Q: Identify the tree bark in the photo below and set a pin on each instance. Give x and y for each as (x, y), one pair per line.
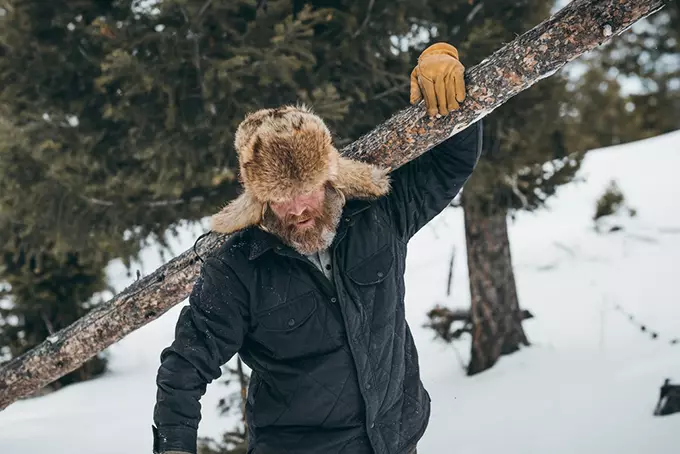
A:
(580, 26)
(496, 316)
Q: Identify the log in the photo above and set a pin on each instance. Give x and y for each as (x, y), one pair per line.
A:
(577, 28)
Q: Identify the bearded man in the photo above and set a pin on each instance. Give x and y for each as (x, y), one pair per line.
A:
(309, 287)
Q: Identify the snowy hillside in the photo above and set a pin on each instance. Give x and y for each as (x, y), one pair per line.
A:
(587, 385)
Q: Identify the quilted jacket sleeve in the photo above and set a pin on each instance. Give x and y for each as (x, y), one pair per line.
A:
(209, 332)
(422, 188)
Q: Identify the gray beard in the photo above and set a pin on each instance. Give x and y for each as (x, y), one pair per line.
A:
(316, 238)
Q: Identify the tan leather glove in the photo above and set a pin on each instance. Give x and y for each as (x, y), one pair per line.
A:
(438, 78)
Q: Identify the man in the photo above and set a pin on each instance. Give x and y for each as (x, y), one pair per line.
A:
(309, 289)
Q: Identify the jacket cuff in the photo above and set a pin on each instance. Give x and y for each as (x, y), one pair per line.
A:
(178, 439)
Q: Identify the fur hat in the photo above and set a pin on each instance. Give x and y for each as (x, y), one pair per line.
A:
(288, 151)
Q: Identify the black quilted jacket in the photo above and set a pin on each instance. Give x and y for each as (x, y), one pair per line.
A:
(335, 368)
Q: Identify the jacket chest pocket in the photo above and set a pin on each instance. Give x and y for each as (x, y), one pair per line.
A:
(294, 329)
(374, 269)
(373, 283)
(374, 286)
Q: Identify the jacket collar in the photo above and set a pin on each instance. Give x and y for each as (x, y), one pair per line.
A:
(262, 241)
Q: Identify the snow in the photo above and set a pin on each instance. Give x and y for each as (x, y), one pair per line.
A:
(588, 384)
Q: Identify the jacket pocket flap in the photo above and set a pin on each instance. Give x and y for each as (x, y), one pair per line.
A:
(374, 268)
(290, 314)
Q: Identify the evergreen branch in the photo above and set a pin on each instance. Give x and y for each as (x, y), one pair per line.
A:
(406, 79)
(389, 91)
(152, 203)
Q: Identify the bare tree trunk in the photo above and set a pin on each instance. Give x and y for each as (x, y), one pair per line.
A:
(496, 316)
(580, 26)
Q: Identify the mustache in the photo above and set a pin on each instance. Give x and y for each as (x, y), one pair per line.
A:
(292, 219)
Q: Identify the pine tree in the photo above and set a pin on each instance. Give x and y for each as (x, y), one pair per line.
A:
(532, 145)
(117, 120)
(47, 288)
(47, 293)
(121, 119)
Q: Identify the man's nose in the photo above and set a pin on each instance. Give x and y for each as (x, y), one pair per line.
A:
(297, 208)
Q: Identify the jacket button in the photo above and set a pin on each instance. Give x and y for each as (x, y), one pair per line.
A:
(291, 322)
(368, 386)
(372, 425)
(380, 274)
(334, 300)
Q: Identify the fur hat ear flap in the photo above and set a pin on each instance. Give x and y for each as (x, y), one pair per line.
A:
(238, 214)
(360, 180)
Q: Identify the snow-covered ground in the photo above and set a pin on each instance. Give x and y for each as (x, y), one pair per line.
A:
(587, 385)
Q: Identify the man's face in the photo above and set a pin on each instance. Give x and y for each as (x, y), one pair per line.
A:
(302, 211)
(307, 222)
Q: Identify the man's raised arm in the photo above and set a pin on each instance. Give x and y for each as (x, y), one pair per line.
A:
(422, 188)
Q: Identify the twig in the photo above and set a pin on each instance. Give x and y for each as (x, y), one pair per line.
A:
(458, 355)
(205, 6)
(565, 248)
(389, 91)
(48, 324)
(450, 280)
(363, 24)
(474, 12)
(512, 182)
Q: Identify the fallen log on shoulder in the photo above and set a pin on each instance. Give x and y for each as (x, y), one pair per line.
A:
(579, 27)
